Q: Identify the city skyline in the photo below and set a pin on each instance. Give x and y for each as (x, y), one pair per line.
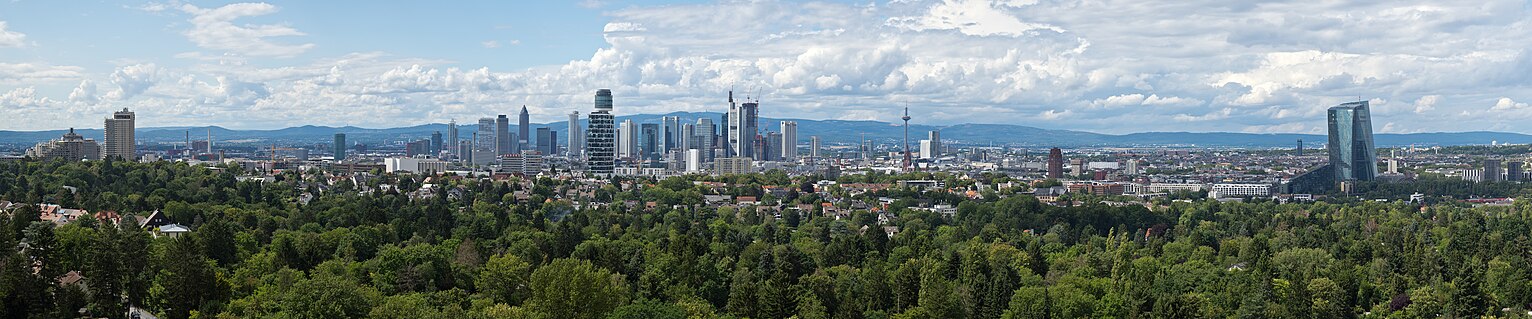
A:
(1270, 67)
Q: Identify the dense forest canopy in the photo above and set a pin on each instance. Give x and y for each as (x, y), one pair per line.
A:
(309, 245)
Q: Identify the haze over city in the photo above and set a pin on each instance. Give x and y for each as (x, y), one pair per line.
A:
(1102, 66)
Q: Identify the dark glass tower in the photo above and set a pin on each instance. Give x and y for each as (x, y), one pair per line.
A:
(600, 140)
(1351, 146)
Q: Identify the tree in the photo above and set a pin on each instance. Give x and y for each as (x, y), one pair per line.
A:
(571, 288)
(505, 278)
(185, 279)
(648, 310)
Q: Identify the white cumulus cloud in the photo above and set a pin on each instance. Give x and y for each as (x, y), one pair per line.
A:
(216, 29)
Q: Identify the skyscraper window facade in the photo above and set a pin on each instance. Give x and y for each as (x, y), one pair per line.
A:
(600, 139)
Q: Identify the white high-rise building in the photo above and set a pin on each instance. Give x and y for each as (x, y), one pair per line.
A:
(627, 139)
(576, 138)
(119, 136)
(927, 149)
(789, 140)
(70, 147)
(814, 146)
(693, 160)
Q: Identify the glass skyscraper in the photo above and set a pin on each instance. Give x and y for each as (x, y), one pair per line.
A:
(600, 142)
(1351, 147)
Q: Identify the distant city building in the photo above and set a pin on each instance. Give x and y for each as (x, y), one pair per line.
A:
(1133, 167)
(455, 148)
(814, 146)
(523, 129)
(670, 134)
(120, 136)
(707, 138)
(574, 135)
(693, 160)
(927, 149)
(414, 165)
(789, 143)
(772, 146)
(1239, 190)
(417, 148)
(1492, 170)
(70, 147)
(436, 143)
(505, 141)
(547, 141)
(687, 139)
(1513, 171)
(1055, 163)
(936, 145)
(743, 123)
(340, 147)
(627, 137)
(600, 142)
(1351, 144)
(486, 145)
(733, 165)
(649, 145)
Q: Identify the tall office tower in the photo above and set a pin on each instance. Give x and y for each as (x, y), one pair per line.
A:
(627, 139)
(576, 138)
(464, 150)
(937, 149)
(1055, 163)
(684, 140)
(814, 146)
(1351, 147)
(454, 147)
(487, 142)
(789, 140)
(504, 141)
(1513, 171)
(545, 140)
(743, 127)
(706, 135)
(722, 132)
(523, 128)
(649, 147)
(436, 143)
(340, 147)
(1492, 170)
(119, 136)
(1300, 147)
(600, 143)
(671, 126)
(772, 146)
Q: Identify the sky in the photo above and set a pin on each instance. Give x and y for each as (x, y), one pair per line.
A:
(1109, 66)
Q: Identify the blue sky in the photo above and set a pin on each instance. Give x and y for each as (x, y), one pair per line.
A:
(1110, 66)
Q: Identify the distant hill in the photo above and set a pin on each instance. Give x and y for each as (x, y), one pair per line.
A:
(831, 131)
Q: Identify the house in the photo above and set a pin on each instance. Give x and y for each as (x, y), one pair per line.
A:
(108, 217)
(155, 219)
(172, 230)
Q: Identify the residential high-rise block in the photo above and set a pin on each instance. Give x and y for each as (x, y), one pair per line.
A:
(1055, 163)
(600, 142)
(1351, 144)
(70, 147)
(1492, 170)
(340, 147)
(789, 140)
(119, 136)
(576, 138)
(1513, 171)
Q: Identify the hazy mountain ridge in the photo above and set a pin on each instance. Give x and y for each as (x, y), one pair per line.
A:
(831, 131)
